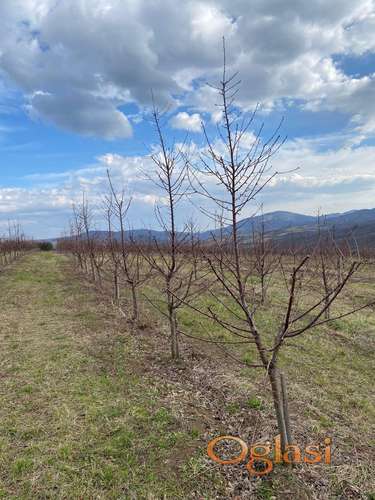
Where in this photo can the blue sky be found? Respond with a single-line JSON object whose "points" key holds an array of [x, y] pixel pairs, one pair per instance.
{"points": [[75, 95]]}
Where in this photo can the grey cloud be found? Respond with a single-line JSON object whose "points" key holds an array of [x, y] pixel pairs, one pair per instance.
{"points": [[105, 53], [82, 113]]}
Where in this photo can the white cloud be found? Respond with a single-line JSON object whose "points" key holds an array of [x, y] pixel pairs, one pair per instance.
{"points": [[333, 179], [79, 63], [92, 56], [46, 206], [184, 121]]}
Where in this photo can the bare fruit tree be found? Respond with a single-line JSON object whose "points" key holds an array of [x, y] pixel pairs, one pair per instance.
{"points": [[93, 254], [125, 255], [179, 276], [14, 244], [231, 181], [265, 257]]}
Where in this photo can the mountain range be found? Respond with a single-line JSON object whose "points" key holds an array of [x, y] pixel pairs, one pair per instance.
{"points": [[283, 227]]}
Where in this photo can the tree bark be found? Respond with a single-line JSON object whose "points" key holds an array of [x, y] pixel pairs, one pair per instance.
{"points": [[278, 404], [175, 351], [135, 303], [285, 408], [116, 288]]}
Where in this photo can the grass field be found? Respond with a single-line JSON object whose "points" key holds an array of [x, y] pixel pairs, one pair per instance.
{"points": [[90, 409], [77, 418]]}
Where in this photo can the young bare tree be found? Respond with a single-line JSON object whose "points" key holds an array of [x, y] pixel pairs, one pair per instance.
{"points": [[325, 252], [265, 257], [124, 252], [14, 245], [339, 255], [331, 256], [168, 259], [231, 182], [74, 242], [113, 250], [93, 248]]}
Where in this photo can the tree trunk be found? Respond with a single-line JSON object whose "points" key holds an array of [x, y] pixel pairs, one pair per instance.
{"points": [[326, 290], [116, 288], [263, 296], [175, 352], [135, 303], [277, 396], [92, 267], [285, 408]]}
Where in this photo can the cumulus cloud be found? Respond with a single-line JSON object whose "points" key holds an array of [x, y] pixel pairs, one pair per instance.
{"points": [[184, 121], [331, 178], [82, 64], [83, 114], [321, 177], [45, 206], [94, 56]]}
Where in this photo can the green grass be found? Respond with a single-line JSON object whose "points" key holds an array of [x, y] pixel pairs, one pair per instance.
{"points": [[329, 372], [77, 421], [82, 418], [255, 403]]}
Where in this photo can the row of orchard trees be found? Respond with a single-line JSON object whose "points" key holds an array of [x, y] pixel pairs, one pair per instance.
{"points": [[13, 245], [238, 277]]}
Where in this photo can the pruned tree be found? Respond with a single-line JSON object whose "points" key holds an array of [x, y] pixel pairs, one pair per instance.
{"points": [[92, 254], [113, 250], [14, 244], [168, 260], [265, 257], [231, 181], [125, 254]]}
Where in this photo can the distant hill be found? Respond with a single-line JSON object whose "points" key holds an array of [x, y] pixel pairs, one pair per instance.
{"points": [[273, 221], [282, 226], [355, 225]]}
